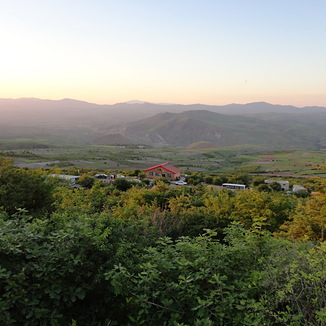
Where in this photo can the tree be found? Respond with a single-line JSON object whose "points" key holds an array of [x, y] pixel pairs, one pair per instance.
{"points": [[308, 221], [5, 163], [240, 178], [71, 200], [258, 181], [86, 181], [264, 187], [122, 184], [261, 210], [302, 194], [28, 189]]}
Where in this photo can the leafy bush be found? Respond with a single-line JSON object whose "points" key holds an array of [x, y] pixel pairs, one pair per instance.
{"points": [[26, 189], [252, 280]]}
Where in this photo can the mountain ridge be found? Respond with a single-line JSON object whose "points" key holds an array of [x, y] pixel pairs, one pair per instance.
{"points": [[163, 124], [203, 126]]}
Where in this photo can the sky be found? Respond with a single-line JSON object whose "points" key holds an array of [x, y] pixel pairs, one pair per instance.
{"points": [[164, 51]]}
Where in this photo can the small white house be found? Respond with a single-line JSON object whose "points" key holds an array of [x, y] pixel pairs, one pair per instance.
{"points": [[298, 188], [71, 179], [285, 185]]}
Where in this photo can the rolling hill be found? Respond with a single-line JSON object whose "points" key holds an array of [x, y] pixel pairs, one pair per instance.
{"points": [[189, 127], [163, 124]]}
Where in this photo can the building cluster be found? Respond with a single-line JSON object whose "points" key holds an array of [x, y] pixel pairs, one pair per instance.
{"points": [[173, 174], [285, 185]]}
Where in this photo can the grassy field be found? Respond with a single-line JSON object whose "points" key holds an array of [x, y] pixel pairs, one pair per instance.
{"points": [[248, 159]]}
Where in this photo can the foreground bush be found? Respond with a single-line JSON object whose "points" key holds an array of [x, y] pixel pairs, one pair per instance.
{"points": [[248, 281], [52, 271]]}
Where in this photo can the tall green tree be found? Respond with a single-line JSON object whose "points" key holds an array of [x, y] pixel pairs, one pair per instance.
{"points": [[26, 189], [308, 221]]}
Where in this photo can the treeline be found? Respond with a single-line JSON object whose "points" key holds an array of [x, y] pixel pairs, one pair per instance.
{"points": [[127, 254]]}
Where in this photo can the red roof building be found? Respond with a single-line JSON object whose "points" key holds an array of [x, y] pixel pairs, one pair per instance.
{"points": [[164, 170]]}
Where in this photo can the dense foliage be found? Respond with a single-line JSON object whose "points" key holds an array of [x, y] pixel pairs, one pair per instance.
{"points": [[129, 254], [249, 280]]}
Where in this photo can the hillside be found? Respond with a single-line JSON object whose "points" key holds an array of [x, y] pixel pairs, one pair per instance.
{"points": [[71, 121], [184, 129]]}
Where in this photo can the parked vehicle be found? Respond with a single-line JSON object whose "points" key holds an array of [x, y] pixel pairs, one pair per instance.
{"points": [[233, 186], [181, 183]]}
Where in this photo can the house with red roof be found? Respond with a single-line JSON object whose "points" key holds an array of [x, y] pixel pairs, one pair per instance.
{"points": [[164, 170]]}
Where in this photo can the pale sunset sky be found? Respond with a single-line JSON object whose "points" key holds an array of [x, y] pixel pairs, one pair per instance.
{"points": [[174, 51]]}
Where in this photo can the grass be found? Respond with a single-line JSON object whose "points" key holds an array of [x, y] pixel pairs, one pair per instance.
{"points": [[247, 159], [295, 161]]}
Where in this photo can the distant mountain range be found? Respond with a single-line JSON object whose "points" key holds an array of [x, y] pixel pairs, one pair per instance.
{"points": [[174, 125], [206, 128]]}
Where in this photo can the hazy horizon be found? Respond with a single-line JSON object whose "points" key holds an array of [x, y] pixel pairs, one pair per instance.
{"points": [[184, 52], [136, 101]]}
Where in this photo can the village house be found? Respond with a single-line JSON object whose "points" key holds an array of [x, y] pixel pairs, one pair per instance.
{"points": [[285, 185], [164, 170], [70, 179], [297, 188]]}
